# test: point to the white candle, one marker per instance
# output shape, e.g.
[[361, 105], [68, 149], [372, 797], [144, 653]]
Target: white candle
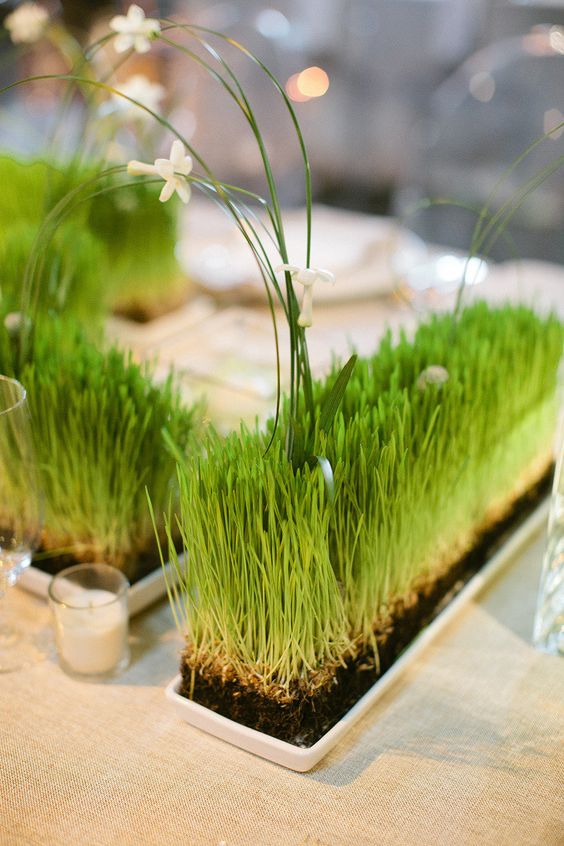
[[92, 632]]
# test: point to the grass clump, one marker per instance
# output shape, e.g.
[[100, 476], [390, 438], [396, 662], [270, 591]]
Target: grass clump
[[75, 265], [284, 582], [98, 423], [115, 252], [421, 471], [140, 236], [256, 533]]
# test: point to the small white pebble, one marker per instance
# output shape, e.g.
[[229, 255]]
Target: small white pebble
[[433, 375], [15, 321]]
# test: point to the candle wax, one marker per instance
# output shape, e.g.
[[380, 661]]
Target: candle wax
[[92, 635]]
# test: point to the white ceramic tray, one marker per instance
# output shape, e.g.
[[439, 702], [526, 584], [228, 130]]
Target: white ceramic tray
[[302, 760], [141, 594]]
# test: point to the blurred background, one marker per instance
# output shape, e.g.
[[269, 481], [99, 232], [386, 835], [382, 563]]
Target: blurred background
[[415, 114], [399, 100]]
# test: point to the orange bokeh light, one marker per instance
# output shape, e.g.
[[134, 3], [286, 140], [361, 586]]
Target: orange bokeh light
[[313, 82], [309, 83], [293, 91]]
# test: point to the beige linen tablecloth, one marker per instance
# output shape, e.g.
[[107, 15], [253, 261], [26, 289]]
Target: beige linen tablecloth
[[466, 749]]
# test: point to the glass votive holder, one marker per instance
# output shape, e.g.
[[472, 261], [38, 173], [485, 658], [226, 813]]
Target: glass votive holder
[[89, 606]]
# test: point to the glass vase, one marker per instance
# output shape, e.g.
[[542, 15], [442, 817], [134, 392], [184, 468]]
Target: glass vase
[[548, 634], [20, 520]]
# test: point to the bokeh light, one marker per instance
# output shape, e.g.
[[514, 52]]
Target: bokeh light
[[313, 82]]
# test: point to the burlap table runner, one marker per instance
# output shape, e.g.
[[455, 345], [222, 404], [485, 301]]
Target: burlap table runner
[[466, 749]]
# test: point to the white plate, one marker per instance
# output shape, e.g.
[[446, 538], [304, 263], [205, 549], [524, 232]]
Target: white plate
[[357, 248], [302, 760], [141, 594]]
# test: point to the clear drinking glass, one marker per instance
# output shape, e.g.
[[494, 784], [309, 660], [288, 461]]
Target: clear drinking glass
[[20, 517]]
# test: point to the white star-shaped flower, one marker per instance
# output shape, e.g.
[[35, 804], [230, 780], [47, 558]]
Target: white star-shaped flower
[[134, 30], [138, 87], [307, 276], [27, 23], [173, 170]]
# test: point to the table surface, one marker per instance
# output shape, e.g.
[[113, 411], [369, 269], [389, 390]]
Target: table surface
[[466, 748]]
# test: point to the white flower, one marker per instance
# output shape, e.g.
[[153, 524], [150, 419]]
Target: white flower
[[307, 276], [27, 23], [432, 375], [134, 30], [138, 87], [172, 170]]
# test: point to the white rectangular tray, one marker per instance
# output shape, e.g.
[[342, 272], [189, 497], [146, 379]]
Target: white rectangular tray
[[302, 760], [141, 595]]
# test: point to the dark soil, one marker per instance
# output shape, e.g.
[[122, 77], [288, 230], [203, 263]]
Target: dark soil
[[145, 312], [145, 563], [305, 719]]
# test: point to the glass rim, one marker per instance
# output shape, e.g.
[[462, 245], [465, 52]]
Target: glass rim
[[22, 398], [123, 588]]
